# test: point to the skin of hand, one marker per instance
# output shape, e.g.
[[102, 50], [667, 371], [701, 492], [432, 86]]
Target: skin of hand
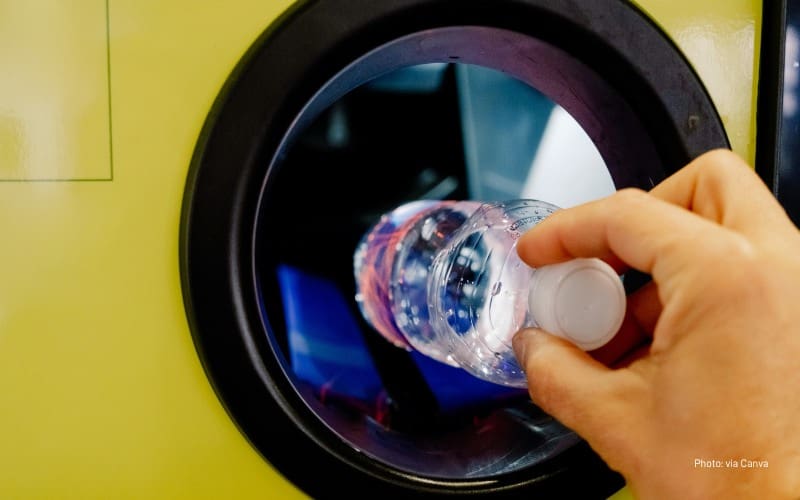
[[718, 377]]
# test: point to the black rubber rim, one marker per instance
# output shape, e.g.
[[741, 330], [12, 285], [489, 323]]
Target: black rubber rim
[[294, 58]]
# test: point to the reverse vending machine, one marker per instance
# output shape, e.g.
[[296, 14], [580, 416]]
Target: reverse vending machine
[[183, 186]]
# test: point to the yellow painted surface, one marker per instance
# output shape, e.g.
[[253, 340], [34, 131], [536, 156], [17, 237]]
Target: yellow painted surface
[[721, 40], [54, 113], [101, 391], [623, 494]]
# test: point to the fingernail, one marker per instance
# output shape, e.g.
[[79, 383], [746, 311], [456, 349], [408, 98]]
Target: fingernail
[[523, 340]]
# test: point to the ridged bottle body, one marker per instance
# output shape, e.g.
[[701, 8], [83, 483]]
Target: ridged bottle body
[[444, 278]]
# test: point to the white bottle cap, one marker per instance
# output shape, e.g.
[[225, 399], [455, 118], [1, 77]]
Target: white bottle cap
[[581, 300]]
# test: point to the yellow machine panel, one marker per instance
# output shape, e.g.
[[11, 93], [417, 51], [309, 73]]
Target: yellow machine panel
[[102, 394]]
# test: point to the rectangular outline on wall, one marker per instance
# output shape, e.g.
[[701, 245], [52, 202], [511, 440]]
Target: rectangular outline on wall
[[110, 127]]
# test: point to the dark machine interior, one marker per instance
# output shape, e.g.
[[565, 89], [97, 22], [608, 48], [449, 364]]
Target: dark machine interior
[[396, 140]]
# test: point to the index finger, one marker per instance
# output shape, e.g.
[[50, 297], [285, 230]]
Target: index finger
[[641, 230]]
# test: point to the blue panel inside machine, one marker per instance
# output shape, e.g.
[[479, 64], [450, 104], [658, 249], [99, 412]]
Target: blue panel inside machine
[[327, 350], [455, 388], [325, 346]]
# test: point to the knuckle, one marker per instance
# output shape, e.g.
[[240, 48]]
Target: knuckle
[[630, 199], [631, 195], [736, 264], [720, 155], [716, 165]]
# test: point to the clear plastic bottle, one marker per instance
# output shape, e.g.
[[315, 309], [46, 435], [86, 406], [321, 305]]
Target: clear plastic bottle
[[443, 278]]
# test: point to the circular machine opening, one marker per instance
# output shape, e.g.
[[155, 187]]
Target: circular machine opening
[[268, 238], [431, 131]]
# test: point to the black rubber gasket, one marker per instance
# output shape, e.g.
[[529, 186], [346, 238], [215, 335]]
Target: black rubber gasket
[[247, 130]]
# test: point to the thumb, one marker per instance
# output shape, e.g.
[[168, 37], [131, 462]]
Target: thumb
[[570, 385]]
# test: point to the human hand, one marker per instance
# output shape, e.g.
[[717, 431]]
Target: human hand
[[719, 382]]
